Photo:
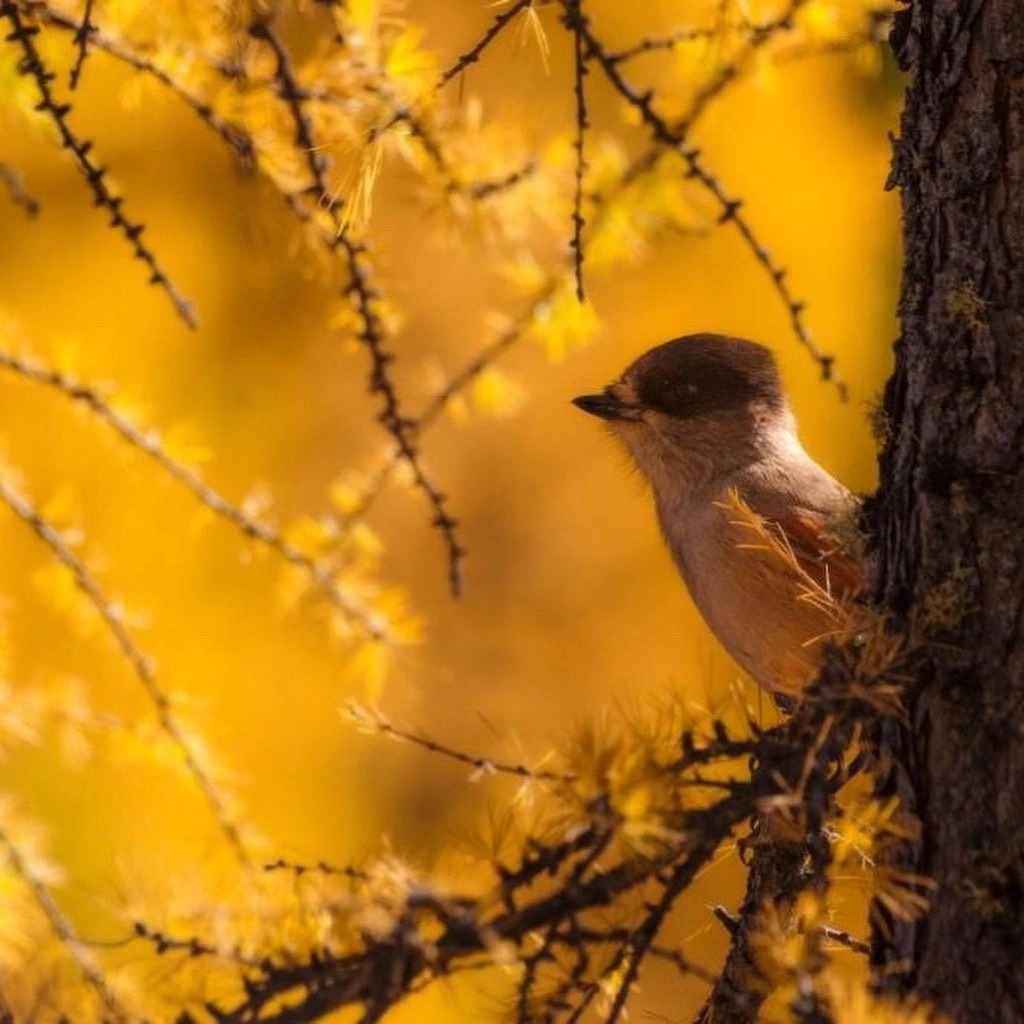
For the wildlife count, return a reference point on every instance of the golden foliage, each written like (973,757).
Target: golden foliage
(206,558)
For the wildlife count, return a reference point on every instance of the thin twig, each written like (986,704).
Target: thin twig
(32,65)
(148,443)
(61,926)
(668,135)
(403,113)
(844,938)
(320,868)
(579,78)
(293,96)
(374,722)
(759,36)
(669,42)
(437,404)
(472,55)
(681,962)
(142,665)
(82,42)
(191,947)
(494,186)
(688,35)
(510,336)
(365,300)
(634,949)
(237,138)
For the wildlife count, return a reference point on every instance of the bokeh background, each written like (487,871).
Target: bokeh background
(572,611)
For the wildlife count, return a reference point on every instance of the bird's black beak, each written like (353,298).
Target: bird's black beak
(606,406)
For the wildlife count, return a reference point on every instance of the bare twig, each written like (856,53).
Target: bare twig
(374,722)
(404,113)
(364,298)
(510,336)
(759,35)
(472,55)
(320,868)
(580,72)
(237,138)
(652,44)
(476,365)
(148,442)
(82,42)
(61,927)
(674,137)
(191,947)
(33,66)
(113,618)
(844,938)
(494,186)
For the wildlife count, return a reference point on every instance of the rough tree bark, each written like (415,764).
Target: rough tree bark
(950,513)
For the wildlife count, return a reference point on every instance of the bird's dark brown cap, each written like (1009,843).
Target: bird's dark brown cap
(695,375)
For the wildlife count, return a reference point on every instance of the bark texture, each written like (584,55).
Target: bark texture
(950,513)
(778,874)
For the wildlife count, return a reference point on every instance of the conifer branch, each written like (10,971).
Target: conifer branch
(582,124)
(32,65)
(237,138)
(148,443)
(652,44)
(142,666)
(82,34)
(643,165)
(673,137)
(474,53)
(365,301)
(373,722)
(795,773)
(61,926)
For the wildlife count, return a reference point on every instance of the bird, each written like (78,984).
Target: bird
(751,520)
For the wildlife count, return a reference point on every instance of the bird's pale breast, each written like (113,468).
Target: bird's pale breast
(770,615)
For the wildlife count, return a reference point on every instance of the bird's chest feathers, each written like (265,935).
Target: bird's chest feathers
(748,598)
(718,576)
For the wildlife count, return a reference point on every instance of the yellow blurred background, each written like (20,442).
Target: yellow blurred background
(572,610)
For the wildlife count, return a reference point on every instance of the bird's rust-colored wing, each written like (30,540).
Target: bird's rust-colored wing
(793,589)
(818,553)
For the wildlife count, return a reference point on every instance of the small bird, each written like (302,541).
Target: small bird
(746,512)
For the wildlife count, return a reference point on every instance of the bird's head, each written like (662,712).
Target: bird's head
(695,410)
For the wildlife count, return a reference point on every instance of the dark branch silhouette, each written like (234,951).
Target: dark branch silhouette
(82,34)
(32,65)
(547,906)
(365,299)
(675,137)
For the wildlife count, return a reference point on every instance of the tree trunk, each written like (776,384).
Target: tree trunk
(950,512)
